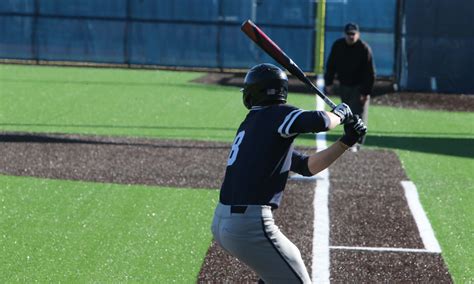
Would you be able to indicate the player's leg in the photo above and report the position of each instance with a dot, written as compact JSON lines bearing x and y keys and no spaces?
{"x":289,"y":254}
{"x":256,"y":241}
{"x":351,"y":96}
{"x":365,"y":116}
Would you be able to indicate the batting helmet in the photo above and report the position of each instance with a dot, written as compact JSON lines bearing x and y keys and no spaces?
{"x":265,"y":84}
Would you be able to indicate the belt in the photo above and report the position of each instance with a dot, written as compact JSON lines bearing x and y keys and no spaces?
{"x":238,"y":209}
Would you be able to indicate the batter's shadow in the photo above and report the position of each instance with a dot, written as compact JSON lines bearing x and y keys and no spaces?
{"x":451,"y":146}
{"x":101,"y":140}
{"x":110,"y":126}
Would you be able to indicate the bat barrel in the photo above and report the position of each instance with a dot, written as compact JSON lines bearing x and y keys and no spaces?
{"x":272,"y":49}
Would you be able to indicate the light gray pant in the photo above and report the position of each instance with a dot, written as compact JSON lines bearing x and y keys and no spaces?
{"x":255,"y":240}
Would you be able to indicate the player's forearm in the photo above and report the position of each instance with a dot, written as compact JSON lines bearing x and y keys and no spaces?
{"x":334,"y":120}
{"x":321,"y":160}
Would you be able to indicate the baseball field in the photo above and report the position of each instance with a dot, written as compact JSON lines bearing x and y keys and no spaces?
{"x":112,"y":175}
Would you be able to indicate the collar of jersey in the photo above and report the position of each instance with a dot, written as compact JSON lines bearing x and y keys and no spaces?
{"x":258,"y":107}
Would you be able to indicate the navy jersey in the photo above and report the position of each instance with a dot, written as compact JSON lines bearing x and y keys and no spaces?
{"x":262,"y":154}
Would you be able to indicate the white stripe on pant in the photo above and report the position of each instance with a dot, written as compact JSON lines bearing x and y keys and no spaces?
{"x":255,"y":240}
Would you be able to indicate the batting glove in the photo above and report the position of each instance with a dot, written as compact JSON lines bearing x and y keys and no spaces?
{"x":344,"y":112}
{"x":353,"y":131}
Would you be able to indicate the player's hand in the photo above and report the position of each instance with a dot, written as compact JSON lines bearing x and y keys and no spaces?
{"x":353,"y":131}
{"x":344,"y":112}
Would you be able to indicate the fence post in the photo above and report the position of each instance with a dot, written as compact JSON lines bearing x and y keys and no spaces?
{"x":320,"y":24}
{"x":126,"y":44}
{"x":220,"y":21}
{"x":399,"y":42}
{"x":34,"y":33}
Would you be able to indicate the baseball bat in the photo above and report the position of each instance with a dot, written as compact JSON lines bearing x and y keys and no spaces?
{"x":272,"y":49}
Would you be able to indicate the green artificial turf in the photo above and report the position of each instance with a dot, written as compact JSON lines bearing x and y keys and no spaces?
{"x":436,"y":147}
{"x":446,"y":188}
{"x":80,"y":232}
{"x":115,"y":102}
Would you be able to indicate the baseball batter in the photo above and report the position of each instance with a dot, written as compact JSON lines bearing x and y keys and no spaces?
{"x":257,"y":170}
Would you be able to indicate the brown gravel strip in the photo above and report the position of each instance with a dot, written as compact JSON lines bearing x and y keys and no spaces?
{"x":361,"y":217}
{"x":449,"y":102}
{"x":387,"y":267}
{"x":367,"y":203}
{"x":368,"y":208}
{"x":114,"y":160}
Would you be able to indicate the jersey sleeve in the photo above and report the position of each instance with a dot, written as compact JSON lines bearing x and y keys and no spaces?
{"x":301,"y":121}
{"x":299,"y":164}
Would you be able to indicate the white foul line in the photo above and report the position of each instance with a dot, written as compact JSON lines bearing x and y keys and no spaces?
{"x":299,"y":177}
{"x":320,"y":265}
{"x":384,"y":249}
{"x":321,"y":256}
{"x":424,"y":227}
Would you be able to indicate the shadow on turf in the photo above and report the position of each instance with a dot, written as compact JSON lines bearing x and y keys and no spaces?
{"x":50,"y":139}
{"x":110,"y":83}
{"x":119,"y":126}
{"x":460,"y":147}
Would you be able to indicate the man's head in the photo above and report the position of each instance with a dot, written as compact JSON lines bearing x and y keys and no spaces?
{"x":265,"y":84}
{"x":352,"y":33}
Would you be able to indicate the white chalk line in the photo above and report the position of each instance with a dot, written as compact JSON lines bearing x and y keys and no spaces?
{"x":382,"y":249}
{"x":424,"y":227}
{"x":299,"y":177}
{"x":321,"y":248}
{"x":321,"y":257}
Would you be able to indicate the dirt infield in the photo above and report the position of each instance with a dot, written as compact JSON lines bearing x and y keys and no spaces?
{"x":368,"y":209}
{"x":366,"y":201}
{"x":115,"y":160}
{"x":383,"y":94}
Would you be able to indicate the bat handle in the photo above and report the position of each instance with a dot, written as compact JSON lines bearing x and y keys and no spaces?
{"x":330,"y":103}
{"x":325,"y":98}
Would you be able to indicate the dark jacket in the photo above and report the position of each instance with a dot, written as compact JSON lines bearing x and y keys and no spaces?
{"x":352,"y":64}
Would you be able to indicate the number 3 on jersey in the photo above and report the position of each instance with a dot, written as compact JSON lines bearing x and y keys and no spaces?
{"x":235,"y":148}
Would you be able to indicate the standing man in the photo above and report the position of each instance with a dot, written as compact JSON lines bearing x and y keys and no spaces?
{"x":257,"y":169}
{"x":351,"y":60}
